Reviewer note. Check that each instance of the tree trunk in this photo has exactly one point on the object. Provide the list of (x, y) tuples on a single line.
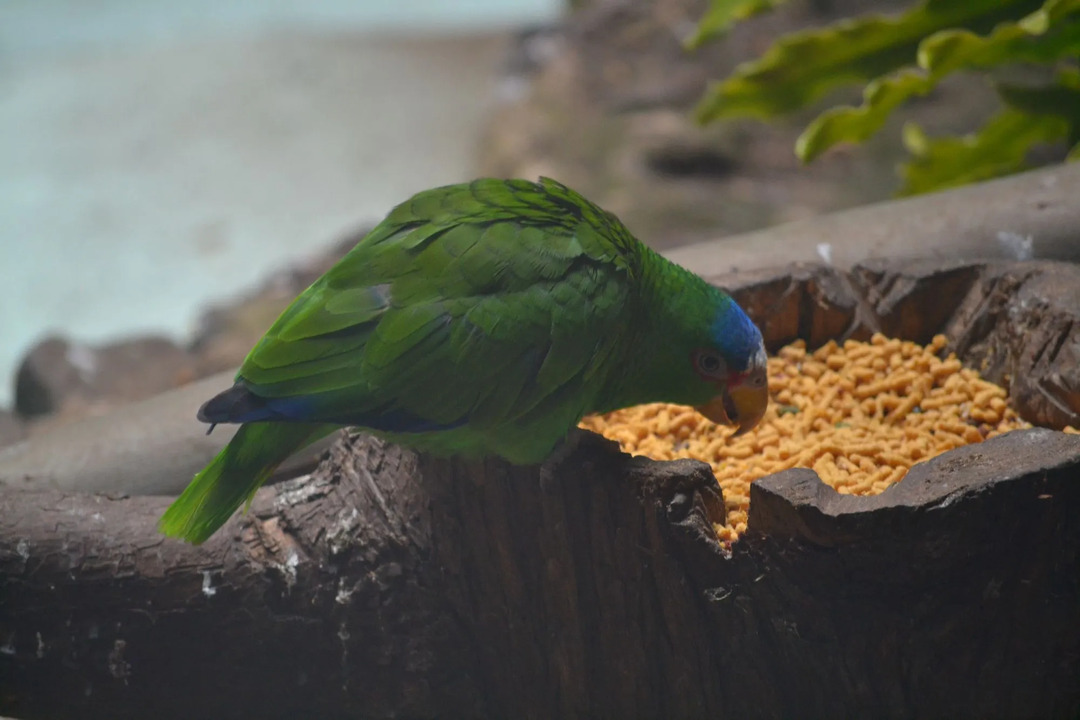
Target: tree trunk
[(317, 603), (380, 586), (391, 585), (384, 586)]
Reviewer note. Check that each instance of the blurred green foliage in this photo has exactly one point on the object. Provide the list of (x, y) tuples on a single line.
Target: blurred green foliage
[(907, 55)]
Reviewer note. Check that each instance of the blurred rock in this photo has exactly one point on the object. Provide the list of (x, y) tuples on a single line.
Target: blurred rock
[(59, 376), (59, 380), (12, 428), (604, 104)]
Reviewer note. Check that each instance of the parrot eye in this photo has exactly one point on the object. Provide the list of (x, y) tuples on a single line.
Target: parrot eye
[(709, 364)]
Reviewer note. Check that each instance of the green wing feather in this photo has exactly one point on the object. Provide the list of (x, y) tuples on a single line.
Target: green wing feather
[(487, 305), (490, 310)]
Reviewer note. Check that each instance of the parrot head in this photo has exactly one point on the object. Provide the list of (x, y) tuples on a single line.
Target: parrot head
[(734, 364)]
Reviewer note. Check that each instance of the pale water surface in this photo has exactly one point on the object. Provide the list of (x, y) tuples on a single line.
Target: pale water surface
[(156, 156)]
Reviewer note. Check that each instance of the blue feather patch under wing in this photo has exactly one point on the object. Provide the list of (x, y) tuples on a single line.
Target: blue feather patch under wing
[(239, 404)]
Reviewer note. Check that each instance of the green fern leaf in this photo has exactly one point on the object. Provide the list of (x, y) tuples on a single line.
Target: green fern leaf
[(998, 148), (942, 53), (722, 14), (801, 67)]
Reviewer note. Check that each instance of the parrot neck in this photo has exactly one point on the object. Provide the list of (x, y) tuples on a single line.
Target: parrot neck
[(677, 310)]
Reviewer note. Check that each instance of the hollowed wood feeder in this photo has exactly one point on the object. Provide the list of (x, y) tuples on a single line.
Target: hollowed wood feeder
[(956, 593), (388, 585)]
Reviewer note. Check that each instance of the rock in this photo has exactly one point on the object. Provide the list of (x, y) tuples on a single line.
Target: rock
[(12, 428), (67, 380), (58, 375)]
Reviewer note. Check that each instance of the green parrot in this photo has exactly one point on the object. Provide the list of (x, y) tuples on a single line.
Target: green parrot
[(484, 318)]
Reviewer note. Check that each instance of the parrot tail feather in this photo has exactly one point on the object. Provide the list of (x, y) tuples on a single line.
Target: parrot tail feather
[(234, 475)]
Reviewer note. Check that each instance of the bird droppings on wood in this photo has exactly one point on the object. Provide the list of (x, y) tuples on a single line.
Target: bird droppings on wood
[(208, 588)]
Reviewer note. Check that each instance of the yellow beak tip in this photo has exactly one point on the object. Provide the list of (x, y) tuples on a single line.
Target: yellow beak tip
[(742, 407)]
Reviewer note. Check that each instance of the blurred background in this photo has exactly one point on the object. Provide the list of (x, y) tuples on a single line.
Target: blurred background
[(159, 156), (172, 174)]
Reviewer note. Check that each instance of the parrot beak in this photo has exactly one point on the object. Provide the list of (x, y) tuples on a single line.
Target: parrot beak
[(741, 406)]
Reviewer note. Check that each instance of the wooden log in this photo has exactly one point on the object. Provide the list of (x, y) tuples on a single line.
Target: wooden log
[(384, 586), (1032, 215), (150, 447), (391, 585), (314, 604)]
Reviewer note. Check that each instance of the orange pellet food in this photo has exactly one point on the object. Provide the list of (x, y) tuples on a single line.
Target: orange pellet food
[(860, 414)]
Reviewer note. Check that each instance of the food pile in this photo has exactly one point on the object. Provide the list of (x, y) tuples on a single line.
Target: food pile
[(860, 414)]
